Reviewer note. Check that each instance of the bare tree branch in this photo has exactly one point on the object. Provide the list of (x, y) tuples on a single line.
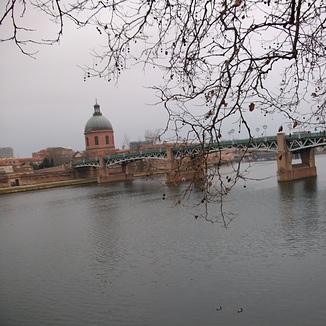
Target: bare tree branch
[(220, 61)]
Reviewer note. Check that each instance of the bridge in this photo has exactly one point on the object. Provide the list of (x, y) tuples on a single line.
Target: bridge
[(285, 145)]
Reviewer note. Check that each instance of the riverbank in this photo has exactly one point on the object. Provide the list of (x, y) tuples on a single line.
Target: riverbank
[(56, 184), (47, 185)]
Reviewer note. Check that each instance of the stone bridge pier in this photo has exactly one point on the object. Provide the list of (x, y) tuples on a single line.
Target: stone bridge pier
[(287, 171), (107, 175), (183, 168)]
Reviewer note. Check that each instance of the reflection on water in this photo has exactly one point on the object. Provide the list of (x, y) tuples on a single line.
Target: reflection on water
[(120, 254), (303, 213)]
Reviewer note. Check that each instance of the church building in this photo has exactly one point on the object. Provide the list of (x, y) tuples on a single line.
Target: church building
[(99, 138)]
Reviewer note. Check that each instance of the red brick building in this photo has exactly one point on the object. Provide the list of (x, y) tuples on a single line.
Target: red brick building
[(99, 138), (40, 155)]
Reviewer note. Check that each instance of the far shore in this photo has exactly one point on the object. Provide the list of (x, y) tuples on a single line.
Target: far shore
[(66, 183), (47, 185)]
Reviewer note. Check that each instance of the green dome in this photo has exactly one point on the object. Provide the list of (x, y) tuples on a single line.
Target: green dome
[(97, 121)]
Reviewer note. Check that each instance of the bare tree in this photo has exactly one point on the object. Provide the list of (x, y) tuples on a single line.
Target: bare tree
[(126, 141), (152, 135), (220, 60)]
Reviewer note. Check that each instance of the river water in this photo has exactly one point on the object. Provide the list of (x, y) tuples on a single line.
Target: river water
[(118, 254)]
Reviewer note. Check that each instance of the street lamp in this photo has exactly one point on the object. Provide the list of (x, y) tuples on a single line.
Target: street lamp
[(232, 132), (265, 127), (257, 129)]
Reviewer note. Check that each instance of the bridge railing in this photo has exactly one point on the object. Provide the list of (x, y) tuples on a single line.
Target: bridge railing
[(304, 135), (132, 154), (269, 142), (88, 162), (303, 141)]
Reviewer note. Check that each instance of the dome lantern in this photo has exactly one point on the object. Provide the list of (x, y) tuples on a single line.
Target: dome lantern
[(97, 121), (97, 109)]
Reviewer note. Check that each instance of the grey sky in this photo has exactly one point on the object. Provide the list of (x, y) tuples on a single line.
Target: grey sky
[(46, 103)]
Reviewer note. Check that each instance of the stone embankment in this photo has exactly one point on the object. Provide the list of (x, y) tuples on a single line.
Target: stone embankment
[(47, 185)]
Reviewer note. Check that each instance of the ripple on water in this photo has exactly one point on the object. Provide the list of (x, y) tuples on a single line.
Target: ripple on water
[(120, 255)]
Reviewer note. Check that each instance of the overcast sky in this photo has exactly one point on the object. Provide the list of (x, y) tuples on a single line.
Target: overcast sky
[(46, 103)]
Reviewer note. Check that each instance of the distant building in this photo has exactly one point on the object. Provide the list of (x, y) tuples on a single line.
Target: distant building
[(40, 155), (99, 138), (12, 161), (78, 156), (138, 144), (6, 152), (6, 169), (59, 155)]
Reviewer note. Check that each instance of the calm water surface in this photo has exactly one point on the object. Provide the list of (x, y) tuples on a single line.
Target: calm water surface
[(117, 254)]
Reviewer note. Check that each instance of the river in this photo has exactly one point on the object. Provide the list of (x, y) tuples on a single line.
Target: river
[(118, 254)]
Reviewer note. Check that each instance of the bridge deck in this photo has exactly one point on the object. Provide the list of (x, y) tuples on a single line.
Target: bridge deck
[(294, 142)]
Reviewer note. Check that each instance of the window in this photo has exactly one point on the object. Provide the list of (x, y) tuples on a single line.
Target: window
[(107, 139), (96, 140), (87, 142)]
